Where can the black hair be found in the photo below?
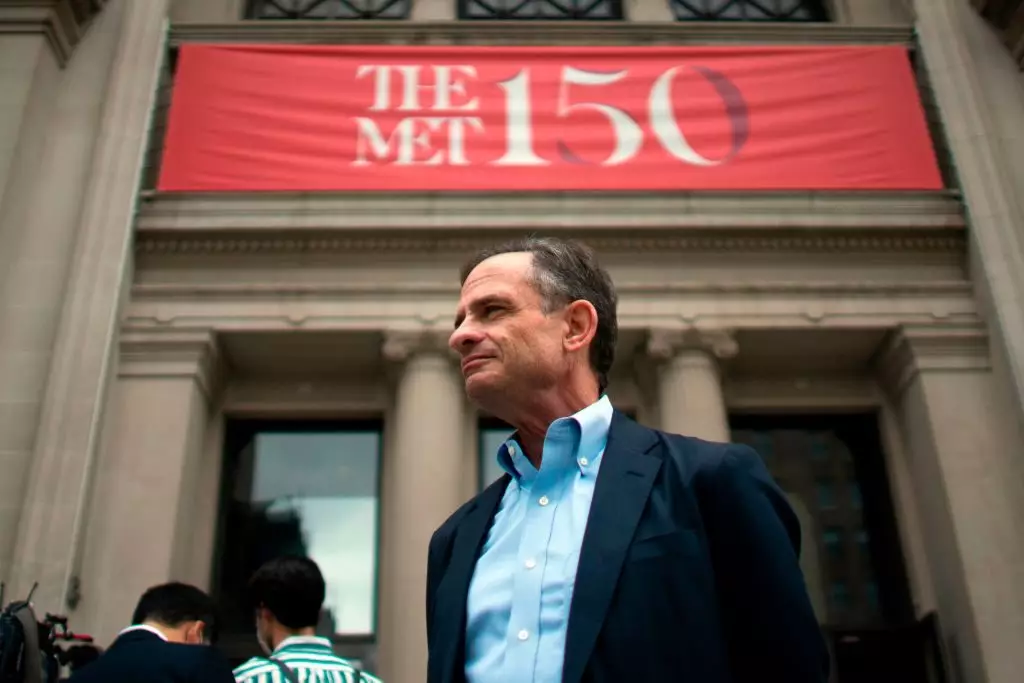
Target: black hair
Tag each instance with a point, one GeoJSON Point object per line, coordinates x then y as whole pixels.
{"type": "Point", "coordinates": [292, 588]}
{"type": "Point", "coordinates": [175, 603]}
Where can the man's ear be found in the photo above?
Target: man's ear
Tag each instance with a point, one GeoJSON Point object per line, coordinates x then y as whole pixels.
{"type": "Point", "coordinates": [196, 633]}
{"type": "Point", "coordinates": [581, 325]}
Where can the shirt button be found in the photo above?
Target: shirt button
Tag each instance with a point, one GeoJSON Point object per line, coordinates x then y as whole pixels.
{"type": "Point", "coordinates": [584, 462]}
{"type": "Point", "coordinates": [524, 634]}
{"type": "Point", "coordinates": [543, 501]}
{"type": "Point", "coordinates": [511, 449]}
{"type": "Point", "coordinates": [531, 563]}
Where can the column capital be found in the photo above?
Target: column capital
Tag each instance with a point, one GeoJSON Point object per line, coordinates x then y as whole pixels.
{"type": "Point", "coordinates": [180, 353]}
{"type": "Point", "coordinates": [665, 343]}
{"type": "Point", "coordinates": [911, 350]}
{"type": "Point", "coordinates": [401, 345]}
{"type": "Point", "coordinates": [62, 22]}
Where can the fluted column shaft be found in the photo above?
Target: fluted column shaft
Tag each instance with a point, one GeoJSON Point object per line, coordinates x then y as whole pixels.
{"type": "Point", "coordinates": [689, 381]}
{"type": "Point", "coordinates": [423, 478]}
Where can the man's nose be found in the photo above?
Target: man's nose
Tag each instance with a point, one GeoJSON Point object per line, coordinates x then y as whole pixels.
{"type": "Point", "coordinates": [463, 338]}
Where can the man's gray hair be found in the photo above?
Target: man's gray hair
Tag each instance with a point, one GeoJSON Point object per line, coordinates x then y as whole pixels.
{"type": "Point", "coordinates": [565, 271]}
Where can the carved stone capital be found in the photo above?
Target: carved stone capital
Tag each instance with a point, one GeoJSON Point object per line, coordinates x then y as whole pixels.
{"type": "Point", "coordinates": [63, 22]}
{"type": "Point", "coordinates": [910, 351]}
{"type": "Point", "coordinates": [665, 344]}
{"type": "Point", "coordinates": [401, 345]}
{"type": "Point", "coordinates": [192, 354]}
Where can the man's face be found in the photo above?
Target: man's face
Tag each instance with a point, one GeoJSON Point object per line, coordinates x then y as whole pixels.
{"type": "Point", "coordinates": [509, 345]}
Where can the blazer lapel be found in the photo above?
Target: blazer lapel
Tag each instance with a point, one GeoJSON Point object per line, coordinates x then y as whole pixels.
{"type": "Point", "coordinates": [453, 590]}
{"type": "Point", "coordinates": [623, 485]}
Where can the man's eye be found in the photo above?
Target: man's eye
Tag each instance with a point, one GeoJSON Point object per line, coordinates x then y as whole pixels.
{"type": "Point", "coordinates": [491, 310]}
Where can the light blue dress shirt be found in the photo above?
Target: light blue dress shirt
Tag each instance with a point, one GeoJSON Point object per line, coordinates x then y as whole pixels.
{"type": "Point", "coordinates": [519, 597]}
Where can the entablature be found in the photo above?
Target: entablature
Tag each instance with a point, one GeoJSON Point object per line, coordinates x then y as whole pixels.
{"type": "Point", "coordinates": [285, 214]}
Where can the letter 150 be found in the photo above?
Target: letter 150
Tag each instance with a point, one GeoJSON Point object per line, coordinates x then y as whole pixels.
{"type": "Point", "coordinates": [628, 135]}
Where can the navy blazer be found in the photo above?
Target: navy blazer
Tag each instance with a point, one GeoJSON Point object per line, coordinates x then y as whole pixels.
{"type": "Point", "coordinates": [143, 657]}
{"type": "Point", "coordinates": [689, 571]}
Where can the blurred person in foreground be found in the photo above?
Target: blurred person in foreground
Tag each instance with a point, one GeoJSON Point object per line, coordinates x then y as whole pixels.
{"type": "Point", "coordinates": [287, 594]}
{"type": "Point", "coordinates": [168, 642]}
{"type": "Point", "coordinates": [607, 551]}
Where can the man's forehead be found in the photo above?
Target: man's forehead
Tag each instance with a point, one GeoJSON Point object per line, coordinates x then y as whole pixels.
{"type": "Point", "coordinates": [512, 266]}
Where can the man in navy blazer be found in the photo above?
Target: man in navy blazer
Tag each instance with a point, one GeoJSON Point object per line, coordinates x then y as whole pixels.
{"type": "Point", "coordinates": [608, 552]}
{"type": "Point", "coordinates": [168, 642]}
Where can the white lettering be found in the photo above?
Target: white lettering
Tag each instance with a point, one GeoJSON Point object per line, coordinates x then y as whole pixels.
{"type": "Point", "coordinates": [518, 123]}
{"type": "Point", "coordinates": [411, 144]}
{"type": "Point", "coordinates": [381, 84]}
{"type": "Point", "coordinates": [665, 126]}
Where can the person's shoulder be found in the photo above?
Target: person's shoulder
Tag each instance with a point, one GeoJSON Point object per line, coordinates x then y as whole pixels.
{"type": "Point", "coordinates": [710, 458]}
{"type": "Point", "coordinates": [251, 669]}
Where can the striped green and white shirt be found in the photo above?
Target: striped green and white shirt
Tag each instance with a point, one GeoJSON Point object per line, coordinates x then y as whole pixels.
{"type": "Point", "coordinates": [311, 659]}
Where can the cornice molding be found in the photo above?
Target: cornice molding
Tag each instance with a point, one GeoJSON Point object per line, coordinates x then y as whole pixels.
{"type": "Point", "coordinates": [539, 33]}
{"type": "Point", "coordinates": [183, 353]}
{"type": "Point", "coordinates": [664, 344]}
{"type": "Point", "coordinates": [62, 22]}
{"type": "Point", "coordinates": [911, 351]}
{"type": "Point", "coordinates": [597, 212]}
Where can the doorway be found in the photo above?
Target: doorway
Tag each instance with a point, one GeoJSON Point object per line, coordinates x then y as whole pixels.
{"type": "Point", "coordinates": [832, 468]}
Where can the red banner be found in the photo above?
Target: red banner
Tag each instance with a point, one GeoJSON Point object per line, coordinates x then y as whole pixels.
{"type": "Point", "coordinates": [333, 118]}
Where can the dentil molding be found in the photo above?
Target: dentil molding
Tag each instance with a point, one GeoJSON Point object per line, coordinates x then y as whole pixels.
{"type": "Point", "coordinates": [63, 22]}
{"type": "Point", "coordinates": [912, 350]}
{"type": "Point", "coordinates": [636, 240]}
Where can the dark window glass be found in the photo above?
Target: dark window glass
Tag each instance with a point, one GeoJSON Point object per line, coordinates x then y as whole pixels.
{"type": "Point", "coordinates": [826, 495]}
{"type": "Point", "coordinates": [855, 501]}
{"type": "Point", "coordinates": [833, 538]}
{"type": "Point", "coordinates": [309, 489]}
{"type": "Point", "coordinates": [839, 596]}
{"type": "Point", "coordinates": [749, 10]}
{"type": "Point", "coordinates": [825, 465]}
{"type": "Point", "coordinates": [819, 448]}
{"type": "Point", "coordinates": [871, 595]}
{"type": "Point", "coordinates": [541, 9]}
{"type": "Point", "coordinates": [329, 9]}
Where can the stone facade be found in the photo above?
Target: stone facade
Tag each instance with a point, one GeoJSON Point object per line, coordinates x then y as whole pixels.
{"type": "Point", "coordinates": [132, 324]}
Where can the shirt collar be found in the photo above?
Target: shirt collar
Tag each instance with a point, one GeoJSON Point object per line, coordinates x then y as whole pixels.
{"type": "Point", "coordinates": [303, 640]}
{"type": "Point", "coordinates": [145, 627]}
{"type": "Point", "coordinates": [588, 431]}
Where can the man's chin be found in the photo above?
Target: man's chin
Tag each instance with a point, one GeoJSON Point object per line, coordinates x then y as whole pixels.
{"type": "Point", "coordinates": [481, 388]}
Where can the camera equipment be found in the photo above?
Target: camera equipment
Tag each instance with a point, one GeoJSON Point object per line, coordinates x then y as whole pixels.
{"type": "Point", "coordinates": [29, 649]}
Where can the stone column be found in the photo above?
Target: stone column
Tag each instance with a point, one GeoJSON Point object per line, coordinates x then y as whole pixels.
{"type": "Point", "coordinates": [964, 458]}
{"type": "Point", "coordinates": [153, 513]}
{"type": "Point", "coordinates": [48, 121]}
{"type": "Point", "coordinates": [979, 91]}
{"type": "Point", "coordinates": [422, 487]}
{"type": "Point", "coordinates": [52, 520]}
{"type": "Point", "coordinates": [689, 381]}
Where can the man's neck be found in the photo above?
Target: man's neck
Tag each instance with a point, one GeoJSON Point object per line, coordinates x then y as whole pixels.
{"type": "Point", "coordinates": [284, 635]}
{"type": "Point", "coordinates": [532, 425]}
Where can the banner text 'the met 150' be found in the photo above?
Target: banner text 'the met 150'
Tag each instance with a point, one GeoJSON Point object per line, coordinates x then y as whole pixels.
{"type": "Point", "coordinates": [316, 118]}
